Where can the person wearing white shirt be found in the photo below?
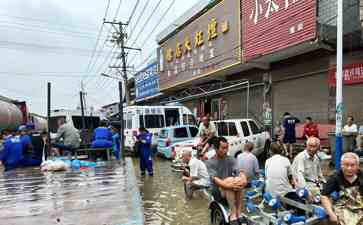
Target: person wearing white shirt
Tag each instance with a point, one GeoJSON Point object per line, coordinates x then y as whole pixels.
{"type": "Point", "coordinates": [198, 173]}
{"type": "Point", "coordinates": [350, 127]}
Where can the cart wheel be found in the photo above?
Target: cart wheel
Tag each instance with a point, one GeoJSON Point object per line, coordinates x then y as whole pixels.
{"type": "Point", "coordinates": [217, 217]}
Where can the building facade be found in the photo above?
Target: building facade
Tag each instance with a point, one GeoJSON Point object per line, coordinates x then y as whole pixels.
{"type": "Point", "coordinates": [259, 59]}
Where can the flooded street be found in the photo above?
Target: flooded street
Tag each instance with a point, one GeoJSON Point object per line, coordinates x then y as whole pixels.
{"type": "Point", "coordinates": [164, 200]}
{"type": "Point", "coordinates": [105, 195]}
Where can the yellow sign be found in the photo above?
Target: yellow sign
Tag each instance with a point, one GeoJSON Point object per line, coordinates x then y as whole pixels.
{"type": "Point", "coordinates": [225, 26]}
{"type": "Point", "coordinates": [169, 55]}
{"type": "Point", "coordinates": [178, 50]}
{"type": "Point", "coordinates": [187, 45]}
{"type": "Point", "coordinates": [212, 29]}
{"type": "Point", "coordinates": [198, 40]}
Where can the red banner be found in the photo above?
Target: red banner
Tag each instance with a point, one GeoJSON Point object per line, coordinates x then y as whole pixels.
{"type": "Point", "coordinates": [273, 25]}
{"type": "Point", "coordinates": [352, 74]}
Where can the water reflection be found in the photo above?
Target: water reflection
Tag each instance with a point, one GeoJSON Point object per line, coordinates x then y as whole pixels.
{"type": "Point", "coordinates": [92, 197]}
{"type": "Point", "coordinates": [164, 200]}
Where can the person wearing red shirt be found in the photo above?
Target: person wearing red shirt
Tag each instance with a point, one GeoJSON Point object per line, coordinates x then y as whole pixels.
{"type": "Point", "coordinates": [310, 129]}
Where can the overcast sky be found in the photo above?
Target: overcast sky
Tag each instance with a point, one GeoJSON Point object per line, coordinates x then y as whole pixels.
{"type": "Point", "coordinates": [53, 40]}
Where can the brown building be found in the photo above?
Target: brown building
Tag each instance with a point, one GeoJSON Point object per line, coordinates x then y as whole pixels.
{"type": "Point", "coordinates": [204, 62]}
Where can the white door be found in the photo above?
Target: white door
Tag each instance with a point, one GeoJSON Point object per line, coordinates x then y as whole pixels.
{"type": "Point", "coordinates": [257, 136]}
{"type": "Point", "coordinates": [247, 135]}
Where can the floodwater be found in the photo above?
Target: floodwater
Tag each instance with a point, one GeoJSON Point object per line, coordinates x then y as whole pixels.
{"type": "Point", "coordinates": [164, 200]}
{"type": "Point", "coordinates": [101, 196]}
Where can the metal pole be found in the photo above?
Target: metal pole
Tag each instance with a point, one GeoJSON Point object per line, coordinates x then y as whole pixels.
{"type": "Point", "coordinates": [339, 86]}
{"type": "Point", "coordinates": [48, 117]}
{"type": "Point", "coordinates": [82, 110]}
{"type": "Point", "coordinates": [248, 98]}
{"type": "Point", "coordinates": [121, 113]}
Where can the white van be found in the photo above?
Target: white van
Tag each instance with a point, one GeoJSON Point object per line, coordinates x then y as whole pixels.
{"type": "Point", "coordinates": [153, 118]}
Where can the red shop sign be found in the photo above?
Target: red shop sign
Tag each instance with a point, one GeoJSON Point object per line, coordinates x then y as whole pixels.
{"type": "Point", "coordinates": [352, 74]}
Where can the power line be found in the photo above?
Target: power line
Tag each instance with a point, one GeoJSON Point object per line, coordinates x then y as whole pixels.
{"type": "Point", "coordinates": [46, 48]}
{"type": "Point", "coordinates": [97, 41]}
{"type": "Point", "coordinates": [38, 20]}
{"type": "Point", "coordinates": [133, 12]}
{"type": "Point", "coordinates": [138, 20]}
{"type": "Point", "coordinates": [155, 27]}
{"type": "Point", "coordinates": [146, 22]}
{"type": "Point", "coordinates": [118, 9]}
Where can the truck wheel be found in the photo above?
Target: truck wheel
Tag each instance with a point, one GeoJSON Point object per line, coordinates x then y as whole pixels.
{"type": "Point", "coordinates": [217, 217]}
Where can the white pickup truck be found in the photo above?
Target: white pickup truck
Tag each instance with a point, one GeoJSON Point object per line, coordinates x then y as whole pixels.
{"type": "Point", "coordinates": [237, 132]}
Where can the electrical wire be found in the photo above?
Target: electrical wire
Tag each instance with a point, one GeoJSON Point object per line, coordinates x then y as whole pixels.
{"type": "Point", "coordinates": [97, 41]}
{"type": "Point", "coordinates": [155, 27]}
{"type": "Point", "coordinates": [137, 21]}
{"type": "Point", "coordinates": [146, 22]}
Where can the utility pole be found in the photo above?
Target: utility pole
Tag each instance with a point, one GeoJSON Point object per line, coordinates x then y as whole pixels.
{"type": "Point", "coordinates": [339, 86]}
{"type": "Point", "coordinates": [120, 41]}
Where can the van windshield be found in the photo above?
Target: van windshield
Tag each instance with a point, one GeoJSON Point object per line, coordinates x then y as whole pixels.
{"type": "Point", "coordinates": [189, 119]}
{"type": "Point", "coordinates": [154, 121]}
{"type": "Point", "coordinates": [90, 121]}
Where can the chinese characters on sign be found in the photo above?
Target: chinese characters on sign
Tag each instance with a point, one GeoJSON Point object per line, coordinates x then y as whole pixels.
{"type": "Point", "coordinates": [181, 49]}
{"type": "Point", "coordinates": [273, 25]}
{"type": "Point", "coordinates": [352, 74]}
{"type": "Point", "coordinates": [267, 7]}
{"type": "Point", "coordinates": [201, 47]}
{"type": "Point", "coordinates": [146, 82]}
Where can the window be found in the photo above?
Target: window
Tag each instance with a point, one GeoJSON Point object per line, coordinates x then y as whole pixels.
{"type": "Point", "coordinates": [181, 132]}
{"type": "Point", "coordinates": [193, 131]}
{"type": "Point", "coordinates": [154, 121]}
{"type": "Point", "coordinates": [254, 127]}
{"type": "Point", "coordinates": [222, 129]}
{"type": "Point", "coordinates": [232, 129]}
{"type": "Point", "coordinates": [164, 133]}
{"type": "Point", "coordinates": [129, 124]}
{"type": "Point", "coordinates": [172, 117]}
{"type": "Point", "coordinates": [246, 131]}
{"type": "Point", "coordinates": [90, 122]}
{"type": "Point", "coordinates": [189, 119]}
{"type": "Point", "coordinates": [141, 120]}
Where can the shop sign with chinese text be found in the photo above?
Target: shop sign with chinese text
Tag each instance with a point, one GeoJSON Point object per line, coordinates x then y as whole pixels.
{"type": "Point", "coordinates": [273, 25]}
{"type": "Point", "coordinates": [208, 44]}
{"type": "Point", "coordinates": [352, 74]}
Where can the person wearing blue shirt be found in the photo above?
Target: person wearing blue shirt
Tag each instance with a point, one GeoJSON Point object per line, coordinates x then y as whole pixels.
{"type": "Point", "coordinates": [12, 155]}
{"type": "Point", "coordinates": [289, 124]}
{"type": "Point", "coordinates": [102, 137]}
{"type": "Point", "coordinates": [116, 142]}
{"type": "Point", "coordinates": [144, 138]}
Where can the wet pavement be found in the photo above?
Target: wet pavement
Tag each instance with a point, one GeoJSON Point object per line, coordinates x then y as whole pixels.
{"type": "Point", "coordinates": [164, 200]}
{"type": "Point", "coordinates": [106, 195]}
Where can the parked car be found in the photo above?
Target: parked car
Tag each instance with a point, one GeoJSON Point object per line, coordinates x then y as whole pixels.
{"type": "Point", "coordinates": [237, 132]}
{"type": "Point", "coordinates": [172, 135]}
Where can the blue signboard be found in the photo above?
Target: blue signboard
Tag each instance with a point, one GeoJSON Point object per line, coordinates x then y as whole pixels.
{"type": "Point", "coordinates": [147, 82]}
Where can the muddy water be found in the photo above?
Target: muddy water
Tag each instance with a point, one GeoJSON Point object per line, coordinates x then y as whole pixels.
{"type": "Point", "coordinates": [164, 200]}
{"type": "Point", "coordinates": [101, 196]}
